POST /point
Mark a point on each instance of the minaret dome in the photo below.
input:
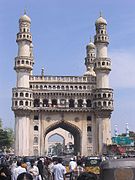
(25, 18)
(101, 20)
(91, 45)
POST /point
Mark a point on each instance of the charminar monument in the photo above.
(81, 105)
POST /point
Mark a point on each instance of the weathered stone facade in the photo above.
(81, 105)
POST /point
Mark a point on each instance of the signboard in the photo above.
(120, 140)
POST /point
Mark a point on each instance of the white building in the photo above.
(82, 105)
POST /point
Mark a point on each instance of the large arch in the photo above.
(74, 130)
(50, 143)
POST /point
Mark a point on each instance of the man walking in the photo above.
(59, 171)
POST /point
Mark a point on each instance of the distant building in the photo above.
(81, 105)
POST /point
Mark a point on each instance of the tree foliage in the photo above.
(6, 137)
(57, 148)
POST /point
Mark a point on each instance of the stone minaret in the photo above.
(89, 60)
(22, 95)
(103, 95)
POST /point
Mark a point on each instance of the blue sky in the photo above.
(61, 30)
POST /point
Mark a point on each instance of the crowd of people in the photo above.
(42, 169)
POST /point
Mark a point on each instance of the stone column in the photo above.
(76, 103)
(50, 103)
(84, 103)
(22, 136)
(84, 137)
(58, 102)
(67, 103)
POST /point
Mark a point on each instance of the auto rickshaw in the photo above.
(92, 164)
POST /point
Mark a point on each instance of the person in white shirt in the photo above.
(59, 171)
(72, 167)
(33, 170)
(18, 170)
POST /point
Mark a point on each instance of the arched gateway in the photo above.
(81, 105)
(74, 130)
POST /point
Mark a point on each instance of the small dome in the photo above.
(25, 18)
(31, 45)
(101, 20)
(91, 45)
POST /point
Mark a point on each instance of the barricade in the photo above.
(119, 169)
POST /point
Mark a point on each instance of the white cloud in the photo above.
(123, 69)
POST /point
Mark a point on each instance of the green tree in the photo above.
(57, 148)
(6, 137)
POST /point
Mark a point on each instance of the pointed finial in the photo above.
(42, 71)
(24, 11)
(90, 39)
(100, 13)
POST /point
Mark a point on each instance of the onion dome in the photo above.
(101, 20)
(91, 45)
(25, 18)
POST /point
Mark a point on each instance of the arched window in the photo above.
(62, 87)
(88, 101)
(104, 103)
(45, 103)
(21, 103)
(71, 87)
(104, 95)
(99, 103)
(109, 103)
(58, 87)
(36, 86)
(26, 103)
(16, 94)
(35, 140)
(80, 103)
(88, 118)
(67, 87)
(26, 95)
(36, 117)
(36, 102)
(54, 102)
(16, 103)
(21, 94)
(35, 152)
(89, 129)
(41, 87)
(99, 95)
(71, 103)
(35, 128)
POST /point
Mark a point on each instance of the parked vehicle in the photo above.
(92, 164)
